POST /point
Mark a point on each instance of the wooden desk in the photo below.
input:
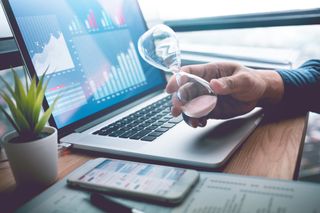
(272, 150)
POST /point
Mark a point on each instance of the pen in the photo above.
(109, 205)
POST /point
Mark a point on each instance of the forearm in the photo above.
(301, 89)
(274, 88)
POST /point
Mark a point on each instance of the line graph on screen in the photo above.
(47, 46)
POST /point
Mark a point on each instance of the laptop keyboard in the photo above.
(146, 124)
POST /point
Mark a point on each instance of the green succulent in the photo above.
(25, 104)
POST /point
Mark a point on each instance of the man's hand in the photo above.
(239, 89)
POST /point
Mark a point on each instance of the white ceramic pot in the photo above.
(34, 162)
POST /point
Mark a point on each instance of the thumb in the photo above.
(226, 85)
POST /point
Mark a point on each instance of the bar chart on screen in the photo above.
(114, 68)
(112, 13)
(126, 75)
(96, 21)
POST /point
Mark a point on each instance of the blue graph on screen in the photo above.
(108, 16)
(128, 73)
(71, 97)
(114, 68)
(89, 48)
(46, 44)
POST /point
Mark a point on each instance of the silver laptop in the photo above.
(112, 101)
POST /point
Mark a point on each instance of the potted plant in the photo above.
(32, 147)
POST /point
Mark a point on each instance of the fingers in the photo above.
(212, 70)
(225, 80)
(175, 82)
(206, 71)
(231, 84)
(172, 85)
(229, 107)
(199, 69)
(176, 106)
(176, 111)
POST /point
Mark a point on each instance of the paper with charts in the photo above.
(214, 193)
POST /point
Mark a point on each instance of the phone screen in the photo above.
(134, 176)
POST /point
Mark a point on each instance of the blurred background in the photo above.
(7, 75)
(4, 26)
(280, 43)
(277, 31)
(179, 9)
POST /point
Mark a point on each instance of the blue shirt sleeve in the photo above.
(301, 88)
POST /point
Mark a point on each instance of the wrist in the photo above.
(274, 87)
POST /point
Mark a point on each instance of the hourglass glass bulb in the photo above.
(159, 46)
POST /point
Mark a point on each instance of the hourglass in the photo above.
(159, 46)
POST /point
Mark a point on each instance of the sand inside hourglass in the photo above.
(200, 106)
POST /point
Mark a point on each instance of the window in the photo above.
(4, 26)
(178, 9)
(283, 43)
(5, 126)
(267, 30)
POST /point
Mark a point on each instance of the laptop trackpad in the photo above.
(222, 137)
(210, 145)
(217, 137)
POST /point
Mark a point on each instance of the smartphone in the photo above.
(138, 180)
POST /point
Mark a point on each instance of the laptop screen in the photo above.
(88, 50)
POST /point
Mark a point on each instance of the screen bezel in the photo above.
(28, 63)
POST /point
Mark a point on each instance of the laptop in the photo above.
(111, 100)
